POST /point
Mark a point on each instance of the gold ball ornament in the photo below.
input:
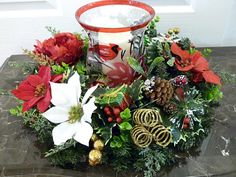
(176, 30)
(94, 138)
(95, 157)
(98, 145)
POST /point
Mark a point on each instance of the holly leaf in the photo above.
(175, 134)
(171, 62)
(154, 63)
(134, 63)
(135, 89)
(126, 114)
(112, 96)
(105, 133)
(125, 126)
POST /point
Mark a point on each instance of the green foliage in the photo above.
(185, 43)
(135, 89)
(105, 133)
(153, 49)
(71, 157)
(153, 159)
(135, 65)
(151, 29)
(81, 68)
(155, 64)
(126, 114)
(60, 69)
(52, 30)
(212, 93)
(112, 96)
(60, 148)
(206, 52)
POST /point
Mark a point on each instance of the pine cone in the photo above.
(162, 92)
(170, 108)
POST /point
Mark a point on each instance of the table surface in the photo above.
(20, 154)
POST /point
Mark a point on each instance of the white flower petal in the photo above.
(88, 110)
(63, 132)
(63, 94)
(84, 132)
(74, 81)
(57, 114)
(89, 93)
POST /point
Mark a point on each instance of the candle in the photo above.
(115, 30)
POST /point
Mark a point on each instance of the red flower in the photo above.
(194, 63)
(35, 90)
(63, 47)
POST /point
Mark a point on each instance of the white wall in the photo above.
(206, 22)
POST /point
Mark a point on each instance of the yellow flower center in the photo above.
(40, 90)
(75, 113)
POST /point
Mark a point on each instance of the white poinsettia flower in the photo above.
(72, 115)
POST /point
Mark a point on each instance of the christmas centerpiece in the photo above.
(131, 102)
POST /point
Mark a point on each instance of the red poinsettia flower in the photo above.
(35, 90)
(63, 47)
(122, 74)
(195, 63)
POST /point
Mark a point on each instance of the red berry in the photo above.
(118, 120)
(110, 119)
(107, 108)
(185, 126)
(116, 111)
(186, 120)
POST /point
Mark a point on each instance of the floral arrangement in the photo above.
(161, 109)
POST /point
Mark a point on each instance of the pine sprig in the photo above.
(39, 58)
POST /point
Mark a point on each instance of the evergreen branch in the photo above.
(60, 148)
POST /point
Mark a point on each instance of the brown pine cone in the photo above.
(170, 108)
(162, 92)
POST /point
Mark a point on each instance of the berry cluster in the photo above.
(113, 113)
(186, 122)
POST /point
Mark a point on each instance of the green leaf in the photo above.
(105, 133)
(175, 134)
(135, 65)
(155, 62)
(81, 69)
(116, 142)
(171, 62)
(126, 114)
(125, 126)
(60, 69)
(206, 52)
(112, 96)
(135, 89)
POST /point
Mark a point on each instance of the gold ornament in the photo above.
(147, 117)
(148, 128)
(98, 145)
(161, 135)
(94, 137)
(141, 137)
(95, 157)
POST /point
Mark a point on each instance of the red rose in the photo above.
(63, 47)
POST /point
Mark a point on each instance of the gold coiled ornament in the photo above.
(148, 128)
(147, 117)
